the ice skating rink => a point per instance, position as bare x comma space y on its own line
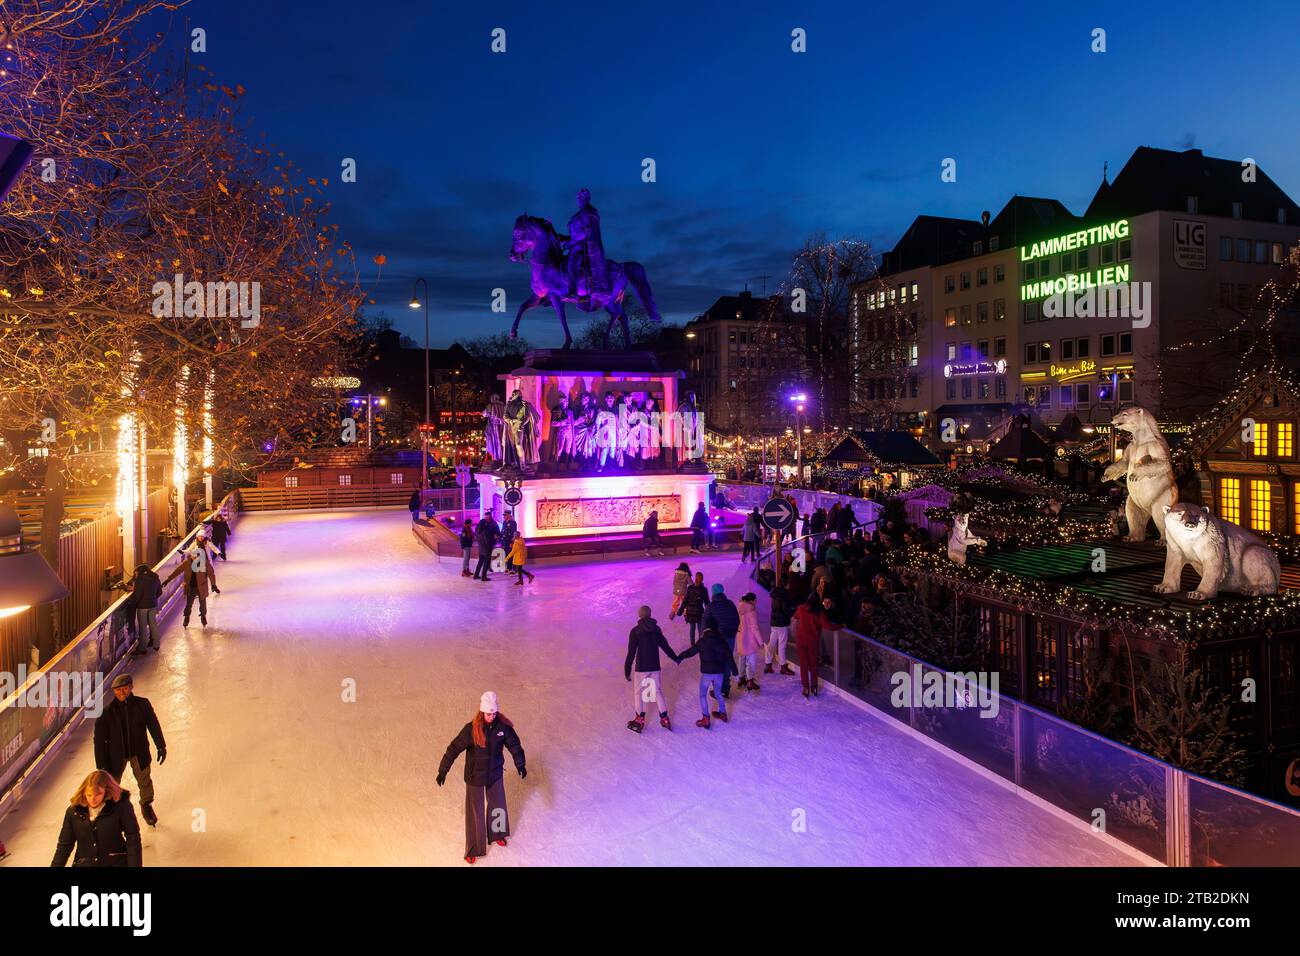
269, 766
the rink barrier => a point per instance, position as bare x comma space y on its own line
102, 647
1153, 810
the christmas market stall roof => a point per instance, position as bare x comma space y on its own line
1275, 384
884, 451
1021, 444
1071, 429
1058, 578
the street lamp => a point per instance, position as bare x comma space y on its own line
415, 304
371, 401
25, 578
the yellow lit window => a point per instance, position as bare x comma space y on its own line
1259, 448
1230, 499
1261, 506
1285, 436
1296, 509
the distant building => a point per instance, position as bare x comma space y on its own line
341, 468
744, 356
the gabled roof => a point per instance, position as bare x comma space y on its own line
929, 241
888, 448
1228, 412
1022, 444
1162, 179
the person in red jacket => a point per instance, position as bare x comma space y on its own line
809, 622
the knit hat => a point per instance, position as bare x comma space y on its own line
487, 704
718, 589
122, 680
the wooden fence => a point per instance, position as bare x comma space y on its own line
84, 554
324, 496
159, 517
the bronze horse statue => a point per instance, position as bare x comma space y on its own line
537, 243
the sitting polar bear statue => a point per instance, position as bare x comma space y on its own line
1147, 465
1227, 556
960, 538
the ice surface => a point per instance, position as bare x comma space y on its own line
284, 772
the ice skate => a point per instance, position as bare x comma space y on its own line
753, 684
815, 691
146, 811
501, 842
703, 722
637, 723
767, 668
721, 715
471, 860
805, 693
786, 670
664, 722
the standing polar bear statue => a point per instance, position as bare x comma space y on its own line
1147, 464
1227, 556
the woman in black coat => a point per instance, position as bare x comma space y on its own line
484, 741
101, 824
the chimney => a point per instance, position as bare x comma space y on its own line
984, 217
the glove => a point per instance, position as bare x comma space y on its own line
442, 778
523, 772
162, 756
216, 590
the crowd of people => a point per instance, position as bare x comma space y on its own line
488, 536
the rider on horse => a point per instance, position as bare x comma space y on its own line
586, 250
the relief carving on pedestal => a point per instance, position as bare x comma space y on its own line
576, 513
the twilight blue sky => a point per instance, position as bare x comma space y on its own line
757, 147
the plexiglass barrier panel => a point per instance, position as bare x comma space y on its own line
1234, 829
1102, 783
965, 717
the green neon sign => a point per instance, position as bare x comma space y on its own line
1075, 282
1080, 239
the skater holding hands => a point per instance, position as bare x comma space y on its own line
644, 643
715, 661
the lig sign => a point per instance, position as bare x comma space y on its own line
1079, 281
975, 368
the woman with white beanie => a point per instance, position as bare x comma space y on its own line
484, 741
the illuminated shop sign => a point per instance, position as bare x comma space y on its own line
1076, 240
975, 368
1078, 281
1079, 368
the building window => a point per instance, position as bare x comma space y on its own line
1126, 391
978, 248
1261, 506
1081, 259
951, 390
983, 347
1031, 353
1000, 386
1230, 499
1125, 250
966, 354
984, 388
965, 387
1225, 248
1081, 393
1045, 396
1285, 439
1108, 253
965, 315
952, 351
1281, 215
999, 310
1243, 298
965, 280
1044, 351
916, 290
1243, 250
1081, 347
1067, 349
1261, 252
1067, 395
396, 478
1043, 641
1029, 270
949, 318
345, 480
1259, 447
1193, 204
1126, 343
982, 277
1225, 295
948, 284
1008, 649
291, 481
994, 243
1279, 253
1000, 346
982, 312
1067, 262
1236, 210
1296, 508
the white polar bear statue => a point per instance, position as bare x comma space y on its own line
960, 538
1227, 556
1147, 465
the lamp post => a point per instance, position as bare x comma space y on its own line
799, 399
371, 402
415, 304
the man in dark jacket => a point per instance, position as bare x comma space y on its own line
699, 526
508, 529
782, 612
723, 617
650, 533
413, 506
643, 646
717, 662
122, 734
146, 588
693, 603
219, 532
484, 741
486, 535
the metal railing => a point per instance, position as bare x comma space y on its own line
100, 649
